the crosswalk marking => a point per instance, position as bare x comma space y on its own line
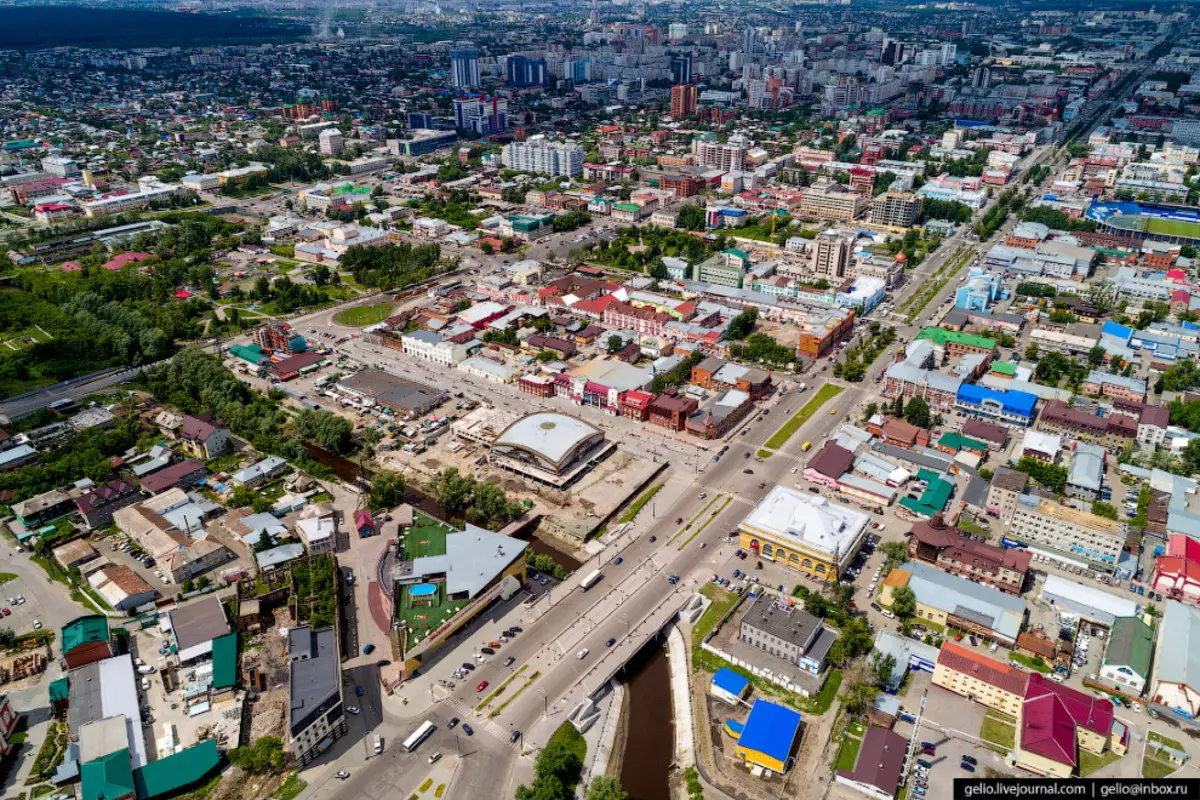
479, 722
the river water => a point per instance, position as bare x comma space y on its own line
650, 727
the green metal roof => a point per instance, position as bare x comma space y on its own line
84, 630
942, 336
249, 352
742, 254
1004, 368
175, 771
933, 499
224, 656
60, 690
960, 442
1130, 645
109, 777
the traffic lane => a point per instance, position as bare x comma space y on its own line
560, 678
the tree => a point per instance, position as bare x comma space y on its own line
898, 406
894, 554
265, 755
1102, 509
691, 218
917, 412
1031, 352
264, 542
614, 343
883, 667
334, 433
1096, 356
659, 271
904, 602
605, 787
187, 586
871, 410
741, 325
387, 489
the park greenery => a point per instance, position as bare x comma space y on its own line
857, 358
949, 210
87, 455
761, 348
637, 249
393, 266
197, 383
475, 501
387, 490
265, 755
558, 767
1179, 377
741, 325
1056, 220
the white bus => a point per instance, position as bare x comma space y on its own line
590, 580
419, 735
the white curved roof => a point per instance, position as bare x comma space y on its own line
548, 434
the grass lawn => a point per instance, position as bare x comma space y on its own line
1172, 227
422, 619
1090, 762
639, 504
5, 577
999, 731
1155, 769
1039, 665
1155, 736
824, 699
848, 752
425, 538
806, 412
360, 316
722, 601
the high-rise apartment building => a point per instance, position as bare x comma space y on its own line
557, 159
330, 142
464, 65
730, 155
683, 100
895, 209
523, 72
681, 69
831, 254
483, 116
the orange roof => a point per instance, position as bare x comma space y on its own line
968, 662
897, 578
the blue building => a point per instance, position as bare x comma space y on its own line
768, 736
979, 292
728, 686
1006, 408
523, 72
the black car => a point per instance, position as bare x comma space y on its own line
453, 721
516, 629
653, 538
747, 472
487, 650
876, 606
515, 736
970, 760
814, 490
468, 666
508, 661
746, 454
468, 730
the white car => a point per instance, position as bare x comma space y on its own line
341, 774
351, 709
37, 624
888, 614
582, 653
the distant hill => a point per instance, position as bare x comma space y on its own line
32, 27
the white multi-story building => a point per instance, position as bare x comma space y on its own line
728, 156
331, 142
1074, 534
544, 157
60, 166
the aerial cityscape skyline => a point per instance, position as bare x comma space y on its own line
629, 400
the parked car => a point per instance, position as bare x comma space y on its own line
482, 685
487, 650
358, 690
970, 760
341, 774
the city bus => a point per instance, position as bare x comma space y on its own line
419, 735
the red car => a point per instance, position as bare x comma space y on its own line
482, 685
5, 611
678, 520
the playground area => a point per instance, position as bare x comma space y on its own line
424, 607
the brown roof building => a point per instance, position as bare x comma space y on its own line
936, 543
995, 436
880, 764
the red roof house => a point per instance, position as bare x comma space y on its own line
1056, 721
125, 258
1177, 571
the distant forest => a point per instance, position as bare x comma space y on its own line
55, 26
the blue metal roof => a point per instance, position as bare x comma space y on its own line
730, 681
770, 729
1120, 331
1021, 403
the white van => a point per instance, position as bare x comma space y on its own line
1056, 677
378, 744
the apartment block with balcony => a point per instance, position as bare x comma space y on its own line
1077, 535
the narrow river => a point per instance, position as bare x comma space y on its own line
650, 728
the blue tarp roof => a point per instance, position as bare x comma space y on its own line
770, 729
730, 681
